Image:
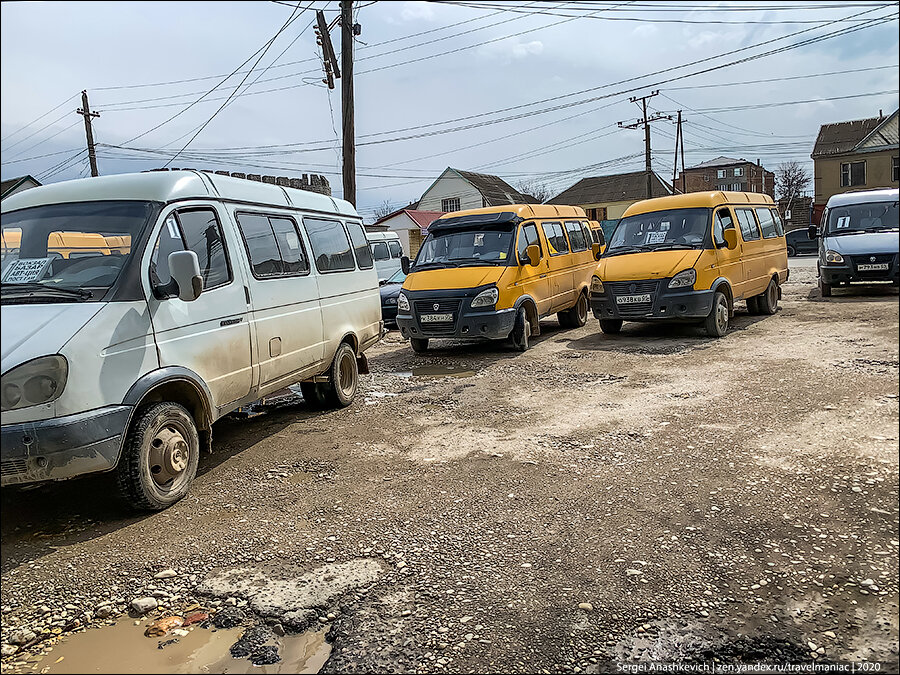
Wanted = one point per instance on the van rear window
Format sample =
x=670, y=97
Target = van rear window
x=767, y=223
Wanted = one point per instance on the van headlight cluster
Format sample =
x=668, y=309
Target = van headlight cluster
x=36, y=382
x=402, y=303
x=833, y=257
x=486, y=298
x=684, y=279
x=597, y=286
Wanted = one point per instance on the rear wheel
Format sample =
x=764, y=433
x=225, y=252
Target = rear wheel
x=824, y=288
x=791, y=251
x=575, y=317
x=753, y=305
x=419, y=345
x=160, y=457
x=716, y=324
x=521, y=332
x=343, y=378
x=610, y=326
x=768, y=301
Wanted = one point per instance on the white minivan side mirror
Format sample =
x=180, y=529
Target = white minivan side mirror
x=184, y=268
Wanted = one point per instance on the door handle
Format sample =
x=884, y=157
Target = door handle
x=247, y=295
x=543, y=276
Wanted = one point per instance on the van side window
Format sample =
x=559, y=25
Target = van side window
x=273, y=245
x=576, y=236
x=721, y=223
x=293, y=254
x=779, y=223
x=330, y=245
x=745, y=219
x=556, y=238
x=588, y=235
x=767, y=223
x=396, y=249
x=528, y=235
x=380, y=250
x=196, y=230
x=360, y=245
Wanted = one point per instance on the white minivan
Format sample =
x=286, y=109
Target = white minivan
x=138, y=309
x=387, y=251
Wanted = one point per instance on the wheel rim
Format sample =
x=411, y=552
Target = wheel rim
x=773, y=295
x=582, y=309
x=169, y=456
x=722, y=316
x=346, y=374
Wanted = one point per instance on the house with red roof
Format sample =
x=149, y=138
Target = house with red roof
x=411, y=225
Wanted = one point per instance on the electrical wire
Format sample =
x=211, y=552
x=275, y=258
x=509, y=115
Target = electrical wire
x=37, y=119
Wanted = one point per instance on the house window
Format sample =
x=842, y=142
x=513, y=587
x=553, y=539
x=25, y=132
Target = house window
x=853, y=173
x=895, y=169
x=596, y=214
x=739, y=172
x=722, y=173
x=451, y=204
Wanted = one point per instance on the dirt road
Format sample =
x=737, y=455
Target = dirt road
x=597, y=499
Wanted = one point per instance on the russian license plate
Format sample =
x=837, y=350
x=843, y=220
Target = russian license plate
x=436, y=318
x=632, y=299
x=872, y=268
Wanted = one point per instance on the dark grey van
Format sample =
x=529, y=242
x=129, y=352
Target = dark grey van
x=858, y=239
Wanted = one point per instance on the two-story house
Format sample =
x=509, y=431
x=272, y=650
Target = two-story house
x=729, y=175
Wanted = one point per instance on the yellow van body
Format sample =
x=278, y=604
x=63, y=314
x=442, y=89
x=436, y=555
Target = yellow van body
x=736, y=251
x=71, y=244
x=525, y=293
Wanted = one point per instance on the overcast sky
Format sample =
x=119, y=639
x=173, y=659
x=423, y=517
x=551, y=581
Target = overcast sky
x=525, y=90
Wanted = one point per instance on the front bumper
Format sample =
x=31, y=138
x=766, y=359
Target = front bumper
x=62, y=447
x=466, y=322
x=664, y=304
x=849, y=271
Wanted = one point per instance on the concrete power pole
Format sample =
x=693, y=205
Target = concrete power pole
x=85, y=110
x=349, y=135
x=645, y=122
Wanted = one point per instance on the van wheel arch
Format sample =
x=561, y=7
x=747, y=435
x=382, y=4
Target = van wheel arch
x=352, y=340
x=531, y=312
x=185, y=393
x=725, y=288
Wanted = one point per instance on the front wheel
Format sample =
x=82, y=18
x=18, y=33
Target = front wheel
x=824, y=288
x=575, y=317
x=343, y=378
x=521, y=333
x=610, y=326
x=768, y=301
x=419, y=345
x=716, y=323
x=160, y=457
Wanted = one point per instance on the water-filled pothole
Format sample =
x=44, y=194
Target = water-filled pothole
x=123, y=648
x=435, y=371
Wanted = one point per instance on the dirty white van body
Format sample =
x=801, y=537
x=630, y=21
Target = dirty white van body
x=227, y=290
x=387, y=251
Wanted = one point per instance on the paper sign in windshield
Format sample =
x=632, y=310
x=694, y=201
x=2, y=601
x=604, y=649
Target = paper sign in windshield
x=25, y=269
x=843, y=222
x=656, y=237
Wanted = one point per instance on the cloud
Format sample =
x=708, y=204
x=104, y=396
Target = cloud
x=417, y=11
x=513, y=49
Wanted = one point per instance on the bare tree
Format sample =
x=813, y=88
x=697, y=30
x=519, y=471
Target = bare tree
x=535, y=188
x=791, y=180
x=386, y=209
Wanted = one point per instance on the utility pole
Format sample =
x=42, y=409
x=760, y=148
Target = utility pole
x=679, y=144
x=645, y=121
x=348, y=30
x=328, y=56
x=85, y=110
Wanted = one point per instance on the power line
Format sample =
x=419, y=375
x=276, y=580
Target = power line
x=37, y=119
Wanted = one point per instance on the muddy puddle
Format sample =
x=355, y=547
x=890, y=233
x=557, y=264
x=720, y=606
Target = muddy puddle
x=434, y=371
x=123, y=648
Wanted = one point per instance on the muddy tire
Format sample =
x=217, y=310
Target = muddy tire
x=575, y=317
x=824, y=289
x=611, y=326
x=160, y=457
x=716, y=324
x=419, y=345
x=521, y=332
x=343, y=378
x=768, y=301
x=313, y=395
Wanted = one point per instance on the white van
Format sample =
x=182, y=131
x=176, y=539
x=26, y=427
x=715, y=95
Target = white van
x=387, y=251
x=221, y=291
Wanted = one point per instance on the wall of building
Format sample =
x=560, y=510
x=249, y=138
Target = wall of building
x=451, y=185
x=402, y=224
x=754, y=179
x=614, y=210
x=799, y=209
x=828, y=173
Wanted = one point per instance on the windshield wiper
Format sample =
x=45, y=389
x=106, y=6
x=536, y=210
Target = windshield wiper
x=33, y=288
x=434, y=263
x=854, y=230
x=625, y=249
x=673, y=247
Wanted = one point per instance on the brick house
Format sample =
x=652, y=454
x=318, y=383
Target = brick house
x=729, y=175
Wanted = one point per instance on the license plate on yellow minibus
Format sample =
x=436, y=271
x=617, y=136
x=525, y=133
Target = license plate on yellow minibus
x=436, y=318
x=632, y=299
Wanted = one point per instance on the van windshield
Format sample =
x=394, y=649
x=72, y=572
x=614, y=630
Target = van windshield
x=660, y=230
x=871, y=217
x=466, y=248
x=73, y=252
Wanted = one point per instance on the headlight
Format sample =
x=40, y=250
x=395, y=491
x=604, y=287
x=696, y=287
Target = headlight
x=684, y=279
x=833, y=257
x=597, y=286
x=402, y=303
x=39, y=381
x=486, y=298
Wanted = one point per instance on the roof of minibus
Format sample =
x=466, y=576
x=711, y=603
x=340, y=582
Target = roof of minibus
x=170, y=186
x=524, y=211
x=698, y=200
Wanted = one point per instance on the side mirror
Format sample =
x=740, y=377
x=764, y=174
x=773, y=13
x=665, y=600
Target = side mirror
x=534, y=255
x=382, y=282
x=730, y=236
x=597, y=249
x=813, y=232
x=404, y=264
x=185, y=271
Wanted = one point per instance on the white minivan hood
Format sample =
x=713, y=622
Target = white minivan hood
x=32, y=330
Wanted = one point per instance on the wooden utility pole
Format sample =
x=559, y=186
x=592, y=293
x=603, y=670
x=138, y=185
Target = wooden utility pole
x=645, y=122
x=349, y=135
x=85, y=110
x=679, y=145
